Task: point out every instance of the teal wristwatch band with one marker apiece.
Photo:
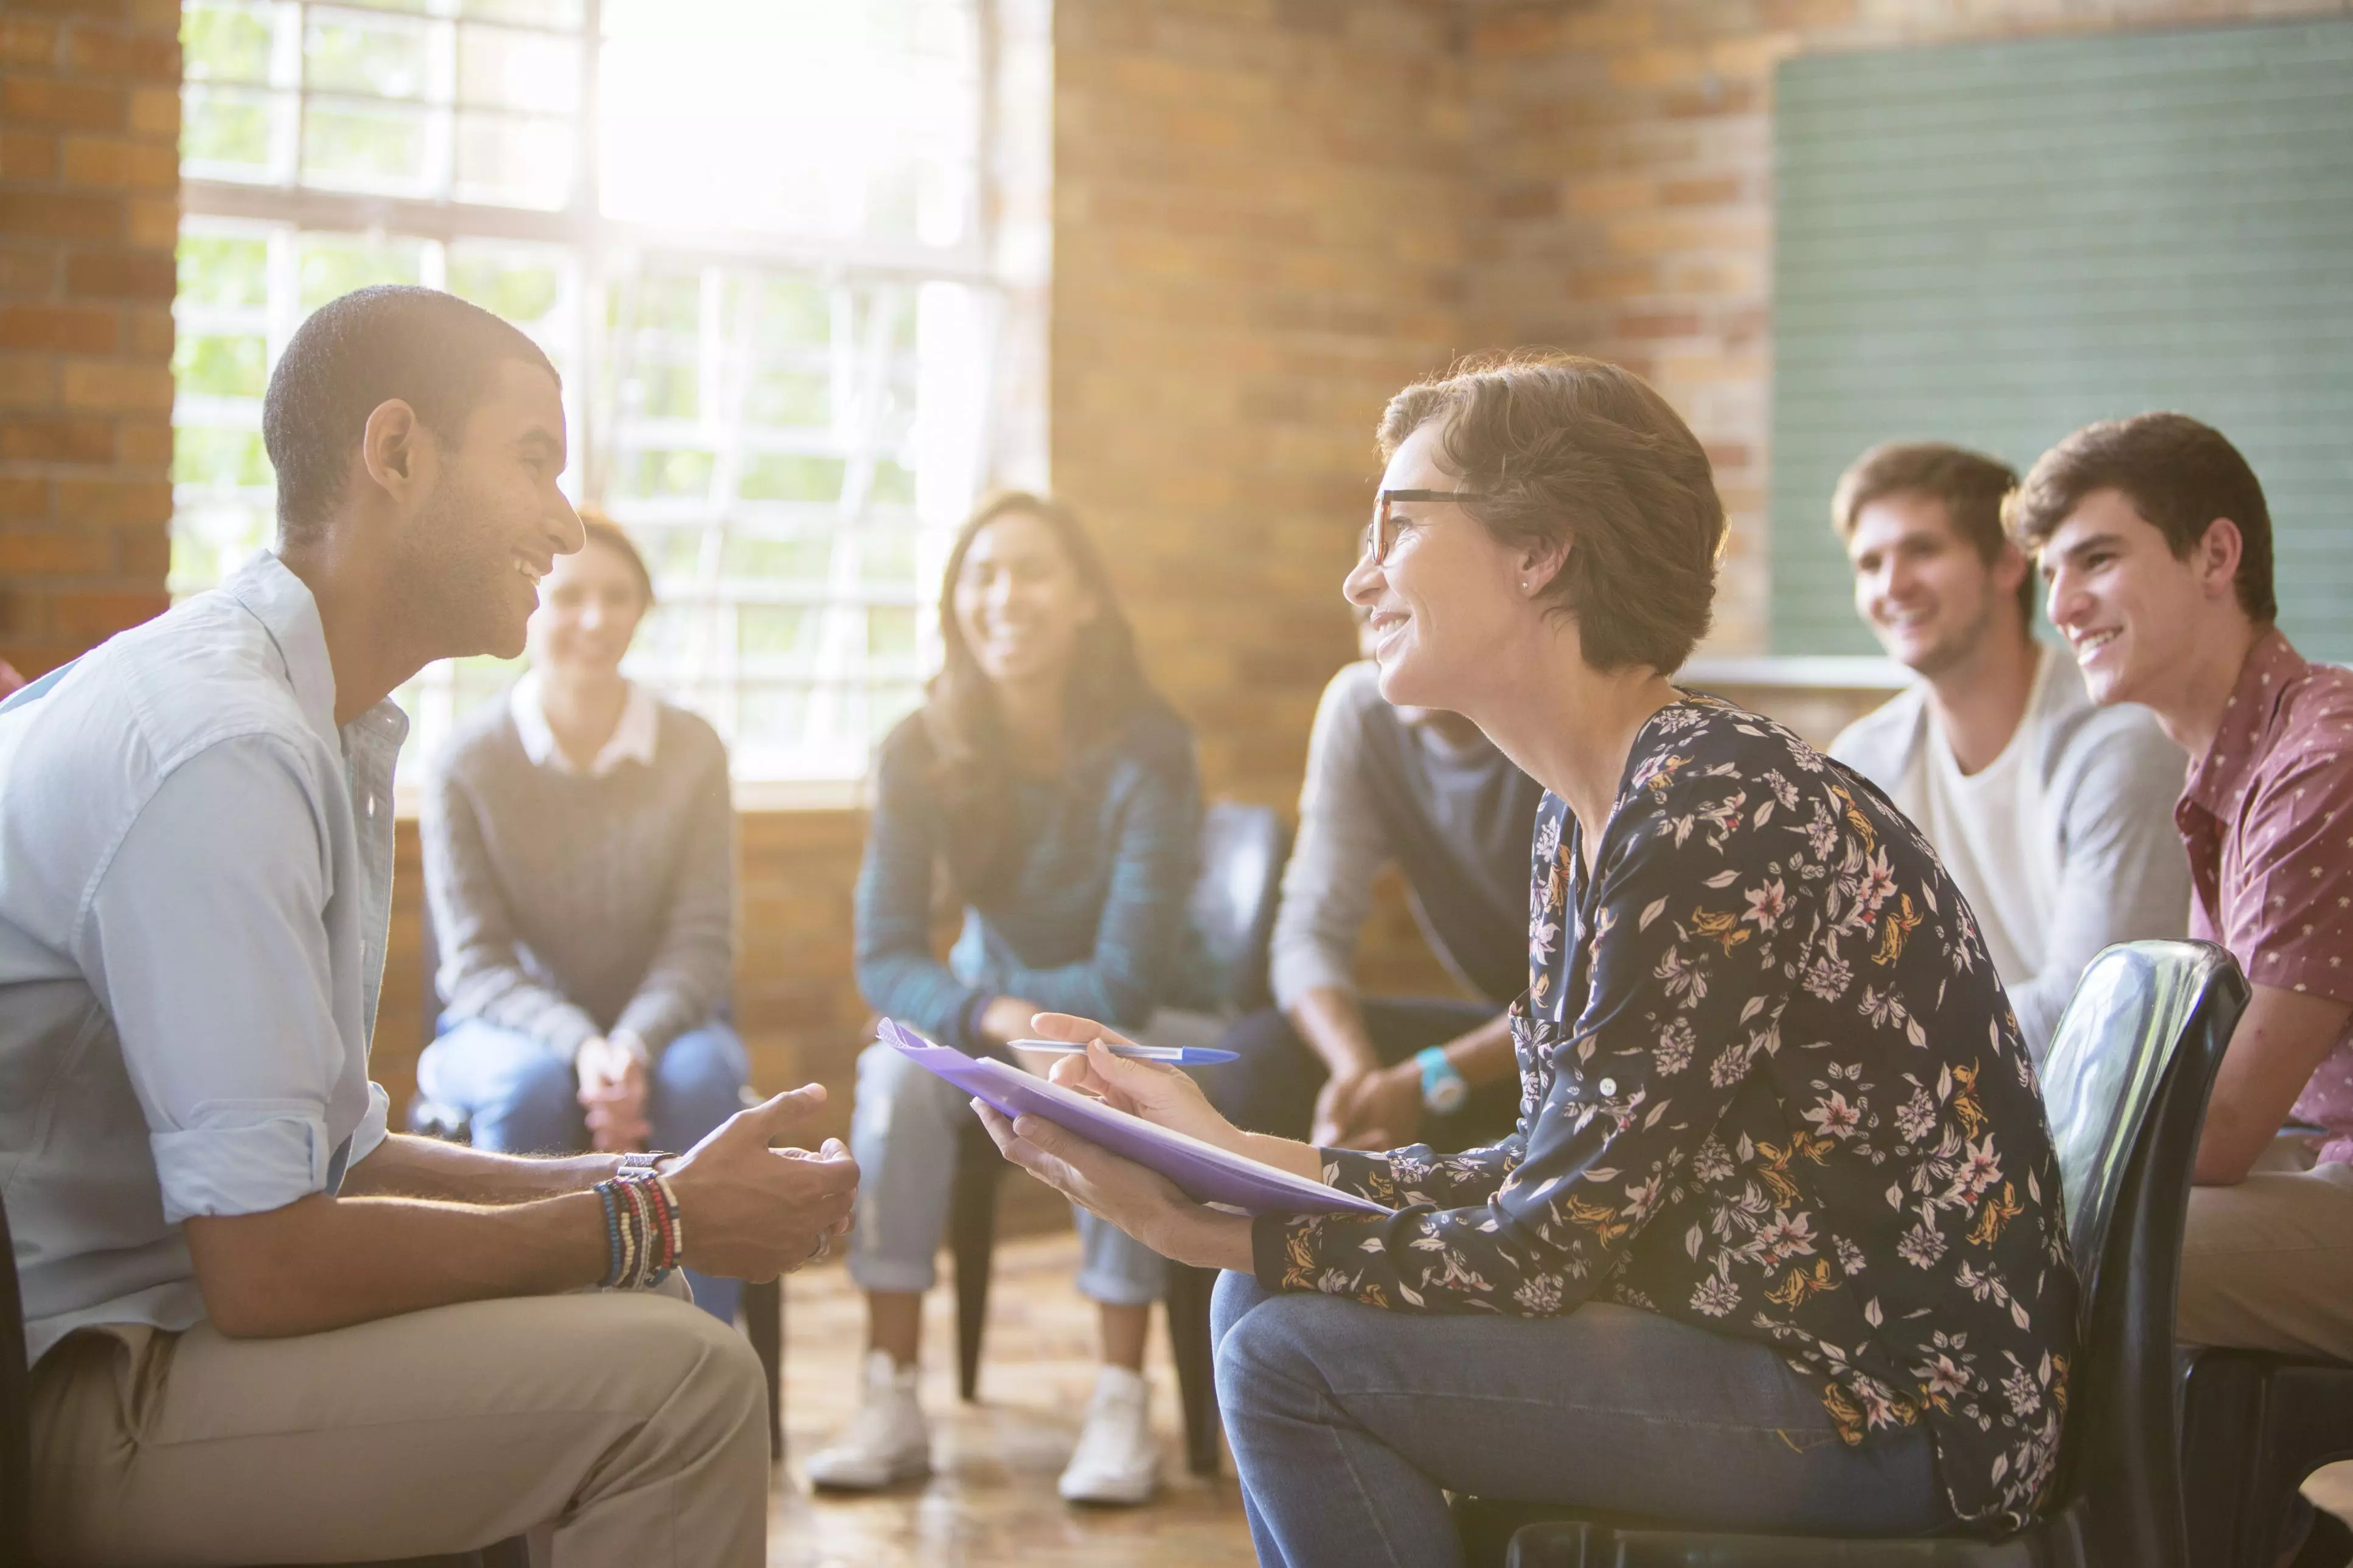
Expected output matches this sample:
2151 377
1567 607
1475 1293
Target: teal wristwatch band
1444 1088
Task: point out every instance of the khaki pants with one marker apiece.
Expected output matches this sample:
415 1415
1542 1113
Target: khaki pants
2268 1264
635 1425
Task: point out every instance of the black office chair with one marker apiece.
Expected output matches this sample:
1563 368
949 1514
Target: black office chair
1232 908
763 1304
2254 1426
2124 1089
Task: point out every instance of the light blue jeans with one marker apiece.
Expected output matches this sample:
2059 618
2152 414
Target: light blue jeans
1346 1421
525 1098
904 1133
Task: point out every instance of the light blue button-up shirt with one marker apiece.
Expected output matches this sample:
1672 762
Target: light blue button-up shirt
196 882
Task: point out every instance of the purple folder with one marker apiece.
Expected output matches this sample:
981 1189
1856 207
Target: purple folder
1207 1173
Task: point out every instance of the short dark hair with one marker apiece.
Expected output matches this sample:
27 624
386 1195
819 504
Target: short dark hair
1970 484
1577 449
430 349
595 528
2179 474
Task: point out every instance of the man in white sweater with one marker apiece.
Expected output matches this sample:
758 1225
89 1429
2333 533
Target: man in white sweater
2054 818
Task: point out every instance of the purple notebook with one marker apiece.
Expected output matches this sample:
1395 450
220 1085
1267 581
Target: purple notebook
1208 1174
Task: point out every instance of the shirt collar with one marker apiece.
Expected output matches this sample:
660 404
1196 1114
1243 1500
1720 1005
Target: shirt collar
287 610
632 740
2273 665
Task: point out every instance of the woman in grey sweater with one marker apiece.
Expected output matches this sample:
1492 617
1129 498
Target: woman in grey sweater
580 865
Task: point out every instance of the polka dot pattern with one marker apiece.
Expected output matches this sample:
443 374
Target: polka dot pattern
2268 819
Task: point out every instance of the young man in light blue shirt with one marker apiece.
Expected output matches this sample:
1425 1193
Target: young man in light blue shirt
2054 818
264 1329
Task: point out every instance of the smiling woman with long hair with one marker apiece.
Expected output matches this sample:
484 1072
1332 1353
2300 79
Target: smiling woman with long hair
1046 791
1777 1241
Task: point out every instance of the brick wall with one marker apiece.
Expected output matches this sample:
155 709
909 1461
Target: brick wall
89 120
1624 147
1258 239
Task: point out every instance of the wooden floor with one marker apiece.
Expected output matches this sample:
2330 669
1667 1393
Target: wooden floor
992 1499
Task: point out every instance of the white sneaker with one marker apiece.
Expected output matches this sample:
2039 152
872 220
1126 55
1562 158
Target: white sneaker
1116 1461
887 1441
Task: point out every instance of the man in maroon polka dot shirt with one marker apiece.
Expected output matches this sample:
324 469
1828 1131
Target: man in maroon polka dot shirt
2155 547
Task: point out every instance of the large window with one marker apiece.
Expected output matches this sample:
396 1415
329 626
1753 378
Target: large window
750 235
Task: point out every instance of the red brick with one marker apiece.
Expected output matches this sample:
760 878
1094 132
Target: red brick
33 659
56 440
1700 193
1657 324
142 443
114 501
152 332
143 552
27 41
156 110
27 154
78 105
104 51
121 275
59 215
114 162
55 554
1535 199
102 613
151 225
24 272
105 387
27 381
24 498
78 10
61 329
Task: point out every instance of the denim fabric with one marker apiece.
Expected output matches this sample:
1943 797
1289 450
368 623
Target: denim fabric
904 1133
523 1099
1346 1422
1088 916
1273 1087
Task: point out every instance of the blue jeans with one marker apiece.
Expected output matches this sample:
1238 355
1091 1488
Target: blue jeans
523 1099
1346 1421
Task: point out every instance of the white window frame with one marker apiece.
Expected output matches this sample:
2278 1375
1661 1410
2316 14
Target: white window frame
603 250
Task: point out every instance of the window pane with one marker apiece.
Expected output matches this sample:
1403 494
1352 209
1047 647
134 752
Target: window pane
224 42
223 270
521 283
537 12
501 67
232 459
226 126
209 365
782 476
332 265
382 57
364 147
507 161
676 473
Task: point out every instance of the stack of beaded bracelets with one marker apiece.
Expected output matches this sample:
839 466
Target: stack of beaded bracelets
642 1229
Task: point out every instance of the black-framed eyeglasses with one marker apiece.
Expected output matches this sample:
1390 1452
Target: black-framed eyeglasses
1381 532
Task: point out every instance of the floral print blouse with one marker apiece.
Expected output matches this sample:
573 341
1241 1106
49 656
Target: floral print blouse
1769 1087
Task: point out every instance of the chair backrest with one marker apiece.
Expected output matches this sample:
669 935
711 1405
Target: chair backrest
15 1417
1233 902
2124 1090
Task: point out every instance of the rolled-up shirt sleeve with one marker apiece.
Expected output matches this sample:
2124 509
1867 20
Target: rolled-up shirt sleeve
205 943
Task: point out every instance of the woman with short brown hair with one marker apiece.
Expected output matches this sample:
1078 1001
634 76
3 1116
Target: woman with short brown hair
1777 1241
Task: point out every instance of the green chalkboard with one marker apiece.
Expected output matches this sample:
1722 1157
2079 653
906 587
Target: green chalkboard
1995 244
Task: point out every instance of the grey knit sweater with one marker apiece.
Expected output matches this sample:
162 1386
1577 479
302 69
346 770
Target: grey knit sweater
567 905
